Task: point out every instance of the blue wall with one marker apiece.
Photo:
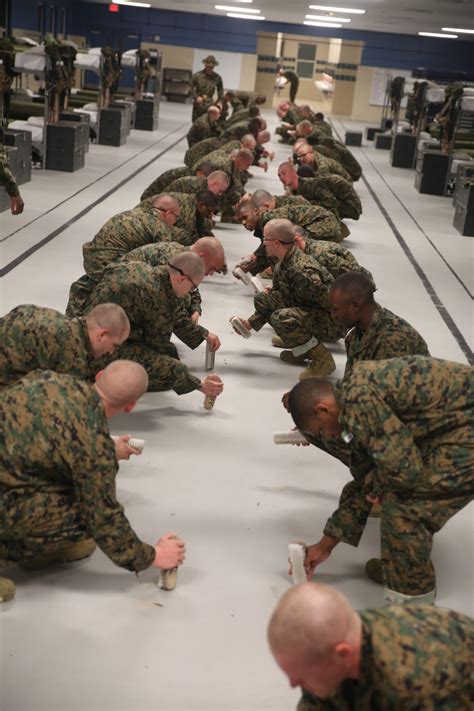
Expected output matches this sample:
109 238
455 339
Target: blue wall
227 34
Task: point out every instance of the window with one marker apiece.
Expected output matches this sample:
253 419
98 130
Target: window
305 67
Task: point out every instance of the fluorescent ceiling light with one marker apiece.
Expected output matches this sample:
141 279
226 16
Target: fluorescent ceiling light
337 9
133 4
457 29
245 17
230 8
321 24
436 34
327 18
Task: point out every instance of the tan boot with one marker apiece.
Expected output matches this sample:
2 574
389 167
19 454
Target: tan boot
63 554
322 363
7 590
288 357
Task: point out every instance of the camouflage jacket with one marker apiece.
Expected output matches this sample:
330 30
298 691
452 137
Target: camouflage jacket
207 86
333 149
240 115
197 153
160 184
7 180
220 157
322 126
243 99
337 260
396 412
155 312
329 165
237 130
55 437
189 225
159 255
202 128
122 233
190 184
388 336
300 282
318 222
291 117
332 192
413 658
32 337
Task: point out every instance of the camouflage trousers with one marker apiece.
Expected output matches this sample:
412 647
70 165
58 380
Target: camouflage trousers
79 294
295 325
165 370
331 445
37 522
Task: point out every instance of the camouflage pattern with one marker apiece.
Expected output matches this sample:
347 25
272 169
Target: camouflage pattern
243 99
199 151
292 118
338 151
202 128
339 260
332 192
297 306
411 423
318 222
413 657
388 336
160 184
57 473
191 184
209 87
122 233
322 164
159 255
7 180
237 130
323 126
189 225
155 313
220 157
289 200
32 337
240 115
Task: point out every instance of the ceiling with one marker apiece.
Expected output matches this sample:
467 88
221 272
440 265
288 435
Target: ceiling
402 16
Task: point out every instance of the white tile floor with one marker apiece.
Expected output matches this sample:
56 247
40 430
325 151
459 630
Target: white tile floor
90 637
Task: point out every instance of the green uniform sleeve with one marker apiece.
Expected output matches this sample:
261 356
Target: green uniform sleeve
190 333
6 176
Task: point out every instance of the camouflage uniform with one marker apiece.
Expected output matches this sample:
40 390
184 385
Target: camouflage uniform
199 151
243 99
159 255
191 184
339 260
297 306
323 126
146 295
318 222
292 118
237 130
36 338
241 115
410 420
413 658
57 473
7 180
203 128
189 225
122 233
332 192
388 336
329 165
206 85
160 184
337 151
220 157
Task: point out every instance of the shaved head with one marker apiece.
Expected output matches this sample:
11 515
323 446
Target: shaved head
280 229
190 264
303 398
354 286
211 252
166 202
261 197
218 176
111 317
122 382
248 141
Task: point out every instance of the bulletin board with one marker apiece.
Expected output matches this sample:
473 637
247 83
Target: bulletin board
230 65
379 84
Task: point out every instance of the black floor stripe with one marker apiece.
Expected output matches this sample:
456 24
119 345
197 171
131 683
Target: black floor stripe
97 180
22 257
441 308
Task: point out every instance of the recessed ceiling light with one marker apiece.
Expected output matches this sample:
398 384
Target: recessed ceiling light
337 9
230 8
327 18
457 29
321 24
436 34
133 4
245 17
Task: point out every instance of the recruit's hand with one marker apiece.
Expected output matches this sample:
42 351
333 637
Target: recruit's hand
213 341
16 205
212 385
245 323
195 317
170 551
374 500
122 449
318 553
